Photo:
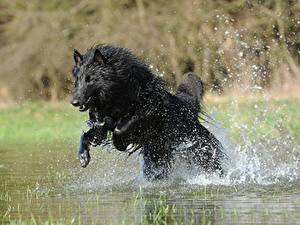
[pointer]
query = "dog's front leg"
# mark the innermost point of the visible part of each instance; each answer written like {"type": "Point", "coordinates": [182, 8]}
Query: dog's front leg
{"type": "Point", "coordinates": [101, 130]}
{"type": "Point", "coordinates": [95, 135]}
{"type": "Point", "coordinates": [86, 139]}
{"type": "Point", "coordinates": [124, 132]}
{"type": "Point", "coordinates": [84, 147]}
{"type": "Point", "coordinates": [100, 124]}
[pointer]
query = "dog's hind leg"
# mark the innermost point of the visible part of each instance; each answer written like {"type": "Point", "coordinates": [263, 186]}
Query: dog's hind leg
{"type": "Point", "coordinates": [207, 152]}
{"type": "Point", "coordinates": [158, 158]}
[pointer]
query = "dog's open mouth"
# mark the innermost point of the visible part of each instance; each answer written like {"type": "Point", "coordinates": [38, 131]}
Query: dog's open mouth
{"type": "Point", "coordinates": [85, 107]}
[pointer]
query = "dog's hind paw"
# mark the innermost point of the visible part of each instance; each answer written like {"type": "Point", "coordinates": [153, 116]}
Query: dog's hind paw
{"type": "Point", "coordinates": [84, 158]}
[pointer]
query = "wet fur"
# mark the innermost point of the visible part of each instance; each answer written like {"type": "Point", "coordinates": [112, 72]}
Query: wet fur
{"type": "Point", "coordinates": [124, 96]}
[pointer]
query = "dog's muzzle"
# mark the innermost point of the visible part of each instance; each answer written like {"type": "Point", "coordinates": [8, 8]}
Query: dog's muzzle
{"type": "Point", "coordinates": [82, 107]}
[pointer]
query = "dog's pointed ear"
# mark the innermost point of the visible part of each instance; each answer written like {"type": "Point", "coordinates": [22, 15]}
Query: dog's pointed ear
{"type": "Point", "coordinates": [77, 57]}
{"type": "Point", "coordinates": [99, 57]}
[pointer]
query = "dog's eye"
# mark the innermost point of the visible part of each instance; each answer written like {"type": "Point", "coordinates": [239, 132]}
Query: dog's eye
{"type": "Point", "coordinates": [87, 78]}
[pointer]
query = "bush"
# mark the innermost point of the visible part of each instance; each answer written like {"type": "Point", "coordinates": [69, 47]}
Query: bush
{"type": "Point", "coordinates": [229, 43]}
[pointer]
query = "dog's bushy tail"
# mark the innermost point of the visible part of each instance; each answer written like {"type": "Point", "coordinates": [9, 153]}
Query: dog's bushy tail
{"type": "Point", "coordinates": [191, 90]}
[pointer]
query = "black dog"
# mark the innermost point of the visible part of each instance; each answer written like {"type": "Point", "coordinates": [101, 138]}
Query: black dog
{"type": "Point", "coordinates": [124, 96]}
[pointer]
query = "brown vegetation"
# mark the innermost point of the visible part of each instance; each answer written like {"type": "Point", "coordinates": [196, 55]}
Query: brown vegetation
{"type": "Point", "coordinates": [243, 44]}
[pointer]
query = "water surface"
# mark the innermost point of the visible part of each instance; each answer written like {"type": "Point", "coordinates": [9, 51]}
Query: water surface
{"type": "Point", "coordinates": [46, 183]}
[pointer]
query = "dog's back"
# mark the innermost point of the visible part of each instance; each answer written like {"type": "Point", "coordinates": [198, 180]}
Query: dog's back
{"type": "Point", "coordinates": [191, 90]}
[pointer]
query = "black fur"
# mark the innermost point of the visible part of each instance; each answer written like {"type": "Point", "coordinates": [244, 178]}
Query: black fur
{"type": "Point", "coordinates": [125, 97]}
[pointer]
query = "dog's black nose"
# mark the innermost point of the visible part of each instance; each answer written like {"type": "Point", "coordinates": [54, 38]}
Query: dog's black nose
{"type": "Point", "coordinates": [75, 103]}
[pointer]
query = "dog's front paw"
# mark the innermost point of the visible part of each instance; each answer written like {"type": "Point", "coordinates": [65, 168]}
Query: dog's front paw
{"type": "Point", "coordinates": [84, 158]}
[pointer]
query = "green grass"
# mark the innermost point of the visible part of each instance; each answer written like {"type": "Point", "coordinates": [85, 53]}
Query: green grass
{"type": "Point", "coordinates": [45, 123]}
{"type": "Point", "coordinates": [259, 117]}
{"type": "Point", "coordinates": [40, 123]}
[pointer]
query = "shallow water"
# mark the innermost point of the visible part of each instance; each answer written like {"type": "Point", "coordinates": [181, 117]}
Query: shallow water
{"type": "Point", "coordinates": [45, 183]}
{"type": "Point", "coordinates": [41, 182]}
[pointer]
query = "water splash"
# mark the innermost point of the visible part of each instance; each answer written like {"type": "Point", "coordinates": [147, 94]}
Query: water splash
{"type": "Point", "coordinates": [261, 158]}
{"type": "Point", "coordinates": [264, 159]}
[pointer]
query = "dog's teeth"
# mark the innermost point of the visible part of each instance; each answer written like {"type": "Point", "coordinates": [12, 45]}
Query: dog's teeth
{"type": "Point", "coordinates": [129, 146]}
{"type": "Point", "coordinates": [82, 108]}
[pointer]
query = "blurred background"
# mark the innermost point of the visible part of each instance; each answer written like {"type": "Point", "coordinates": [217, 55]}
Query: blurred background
{"type": "Point", "coordinates": [246, 51]}
{"type": "Point", "coordinates": [234, 45]}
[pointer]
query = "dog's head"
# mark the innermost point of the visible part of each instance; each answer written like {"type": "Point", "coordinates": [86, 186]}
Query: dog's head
{"type": "Point", "coordinates": [93, 78]}
{"type": "Point", "coordinates": [110, 77]}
